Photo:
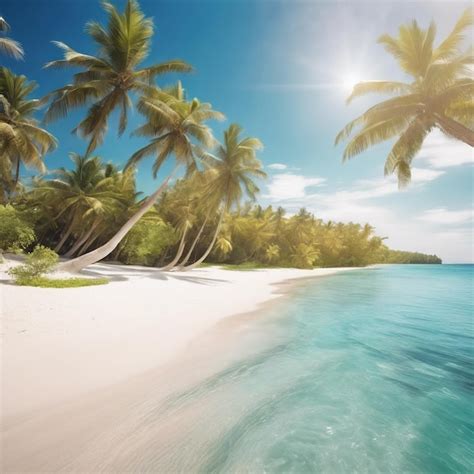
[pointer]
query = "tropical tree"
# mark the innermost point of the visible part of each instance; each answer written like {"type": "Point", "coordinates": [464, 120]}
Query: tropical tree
{"type": "Point", "coordinates": [9, 46]}
{"type": "Point", "coordinates": [439, 94]}
{"type": "Point", "coordinates": [233, 169]}
{"type": "Point", "coordinates": [83, 199]}
{"type": "Point", "coordinates": [178, 130]}
{"type": "Point", "coordinates": [21, 139]}
{"type": "Point", "coordinates": [108, 78]}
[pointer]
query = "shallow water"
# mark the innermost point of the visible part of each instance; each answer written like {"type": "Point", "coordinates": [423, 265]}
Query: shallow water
{"type": "Point", "coordinates": [369, 371]}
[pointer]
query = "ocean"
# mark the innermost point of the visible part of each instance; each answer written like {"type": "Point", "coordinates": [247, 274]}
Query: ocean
{"type": "Point", "coordinates": [365, 371]}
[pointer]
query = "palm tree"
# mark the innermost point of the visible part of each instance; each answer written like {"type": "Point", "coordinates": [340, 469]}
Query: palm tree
{"type": "Point", "coordinates": [233, 168]}
{"type": "Point", "coordinates": [177, 207]}
{"type": "Point", "coordinates": [439, 95]}
{"type": "Point", "coordinates": [109, 77]}
{"type": "Point", "coordinates": [172, 124]}
{"type": "Point", "coordinates": [82, 198]}
{"type": "Point", "coordinates": [7, 45]}
{"type": "Point", "coordinates": [21, 139]}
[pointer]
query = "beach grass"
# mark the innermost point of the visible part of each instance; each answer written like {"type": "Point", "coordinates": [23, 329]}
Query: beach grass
{"type": "Point", "coordinates": [43, 282]}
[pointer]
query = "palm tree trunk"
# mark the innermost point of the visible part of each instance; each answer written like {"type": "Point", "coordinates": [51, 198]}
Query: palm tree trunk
{"type": "Point", "coordinates": [211, 245]}
{"type": "Point", "coordinates": [87, 244]}
{"type": "Point", "coordinates": [78, 263]}
{"type": "Point", "coordinates": [196, 240]}
{"type": "Point", "coordinates": [65, 236]}
{"type": "Point", "coordinates": [455, 129]}
{"type": "Point", "coordinates": [82, 240]}
{"type": "Point", "coordinates": [17, 173]}
{"type": "Point", "coordinates": [178, 253]}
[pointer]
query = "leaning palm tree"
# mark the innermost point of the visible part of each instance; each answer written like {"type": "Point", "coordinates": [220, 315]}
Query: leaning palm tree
{"type": "Point", "coordinates": [109, 77]}
{"type": "Point", "coordinates": [7, 45]}
{"type": "Point", "coordinates": [440, 95]}
{"type": "Point", "coordinates": [233, 169]}
{"type": "Point", "coordinates": [21, 139]}
{"type": "Point", "coordinates": [172, 126]}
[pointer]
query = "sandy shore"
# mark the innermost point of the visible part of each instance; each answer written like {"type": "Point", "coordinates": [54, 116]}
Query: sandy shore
{"type": "Point", "coordinates": [58, 344]}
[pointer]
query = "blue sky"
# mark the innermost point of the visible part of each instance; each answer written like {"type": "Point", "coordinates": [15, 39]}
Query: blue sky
{"type": "Point", "coordinates": [281, 69]}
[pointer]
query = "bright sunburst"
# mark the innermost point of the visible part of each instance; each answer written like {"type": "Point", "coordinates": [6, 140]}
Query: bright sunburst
{"type": "Point", "coordinates": [349, 81]}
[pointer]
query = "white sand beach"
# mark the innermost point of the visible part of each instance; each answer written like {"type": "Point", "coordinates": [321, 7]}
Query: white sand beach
{"type": "Point", "coordinates": [58, 344]}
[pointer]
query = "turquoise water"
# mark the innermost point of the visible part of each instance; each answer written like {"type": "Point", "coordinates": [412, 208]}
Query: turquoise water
{"type": "Point", "coordinates": [366, 371]}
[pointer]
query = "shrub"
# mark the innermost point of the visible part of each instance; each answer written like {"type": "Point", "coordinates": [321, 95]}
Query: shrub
{"type": "Point", "coordinates": [146, 242]}
{"type": "Point", "coordinates": [38, 262]}
{"type": "Point", "coordinates": [43, 282]}
{"type": "Point", "coordinates": [15, 232]}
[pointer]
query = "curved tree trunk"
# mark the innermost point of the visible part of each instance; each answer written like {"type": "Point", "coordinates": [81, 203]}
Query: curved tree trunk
{"type": "Point", "coordinates": [78, 263]}
{"type": "Point", "coordinates": [87, 245]}
{"type": "Point", "coordinates": [455, 129]}
{"type": "Point", "coordinates": [82, 240]}
{"type": "Point", "coordinates": [175, 260]}
{"type": "Point", "coordinates": [65, 236]}
{"type": "Point", "coordinates": [193, 245]}
{"type": "Point", "coordinates": [211, 245]}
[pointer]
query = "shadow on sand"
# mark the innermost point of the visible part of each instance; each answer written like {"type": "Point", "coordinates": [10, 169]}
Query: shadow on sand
{"type": "Point", "coordinates": [118, 272]}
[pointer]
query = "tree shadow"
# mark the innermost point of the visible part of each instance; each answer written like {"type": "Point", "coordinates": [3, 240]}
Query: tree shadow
{"type": "Point", "coordinates": [118, 272]}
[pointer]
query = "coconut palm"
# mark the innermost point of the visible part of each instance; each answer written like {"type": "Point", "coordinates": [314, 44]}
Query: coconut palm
{"type": "Point", "coordinates": [21, 139]}
{"type": "Point", "coordinates": [439, 95]}
{"type": "Point", "coordinates": [177, 207]}
{"type": "Point", "coordinates": [233, 169]}
{"type": "Point", "coordinates": [172, 125]}
{"type": "Point", "coordinates": [82, 198]}
{"type": "Point", "coordinates": [108, 79]}
{"type": "Point", "coordinates": [7, 45]}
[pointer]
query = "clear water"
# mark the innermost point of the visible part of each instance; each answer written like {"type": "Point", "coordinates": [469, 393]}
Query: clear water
{"type": "Point", "coordinates": [366, 371]}
{"type": "Point", "coordinates": [369, 371]}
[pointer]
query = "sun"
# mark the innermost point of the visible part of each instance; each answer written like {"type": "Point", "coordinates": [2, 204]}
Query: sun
{"type": "Point", "coordinates": [349, 81]}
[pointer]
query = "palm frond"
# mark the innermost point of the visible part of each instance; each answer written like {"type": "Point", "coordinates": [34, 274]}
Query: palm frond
{"type": "Point", "coordinates": [449, 48]}
{"type": "Point", "coordinates": [11, 48]}
{"type": "Point", "coordinates": [378, 87]}
{"type": "Point", "coordinates": [404, 150]}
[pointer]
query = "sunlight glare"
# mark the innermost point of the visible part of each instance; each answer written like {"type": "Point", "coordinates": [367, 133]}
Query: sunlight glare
{"type": "Point", "coordinates": [349, 81]}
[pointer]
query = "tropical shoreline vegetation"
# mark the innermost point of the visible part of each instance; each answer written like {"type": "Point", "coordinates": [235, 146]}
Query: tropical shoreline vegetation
{"type": "Point", "coordinates": [93, 211]}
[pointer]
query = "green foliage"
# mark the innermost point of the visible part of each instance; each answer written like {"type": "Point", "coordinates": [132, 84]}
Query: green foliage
{"type": "Point", "coordinates": [15, 232]}
{"type": "Point", "coordinates": [22, 140]}
{"type": "Point", "coordinates": [400, 256]}
{"type": "Point", "coordinates": [108, 80]}
{"type": "Point", "coordinates": [43, 282]}
{"type": "Point", "coordinates": [40, 261]}
{"type": "Point", "coordinates": [147, 241]}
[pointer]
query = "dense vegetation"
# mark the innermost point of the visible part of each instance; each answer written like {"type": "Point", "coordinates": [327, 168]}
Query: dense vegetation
{"type": "Point", "coordinates": [92, 210]}
{"type": "Point", "coordinates": [179, 229]}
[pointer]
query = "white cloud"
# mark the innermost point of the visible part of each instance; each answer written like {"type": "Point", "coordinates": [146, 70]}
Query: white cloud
{"type": "Point", "coordinates": [439, 151]}
{"type": "Point", "coordinates": [444, 216]}
{"type": "Point", "coordinates": [277, 166]}
{"type": "Point", "coordinates": [288, 186]}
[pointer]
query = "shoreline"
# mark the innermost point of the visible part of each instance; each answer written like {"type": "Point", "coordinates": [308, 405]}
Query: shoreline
{"type": "Point", "coordinates": [61, 344]}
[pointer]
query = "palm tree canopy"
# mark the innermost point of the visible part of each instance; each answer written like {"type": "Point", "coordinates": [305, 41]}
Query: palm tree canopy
{"type": "Point", "coordinates": [440, 94]}
{"type": "Point", "coordinates": [176, 127]}
{"type": "Point", "coordinates": [87, 191]}
{"type": "Point", "coordinates": [21, 139]}
{"type": "Point", "coordinates": [9, 46]}
{"type": "Point", "coordinates": [233, 169]}
{"type": "Point", "coordinates": [107, 78]}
